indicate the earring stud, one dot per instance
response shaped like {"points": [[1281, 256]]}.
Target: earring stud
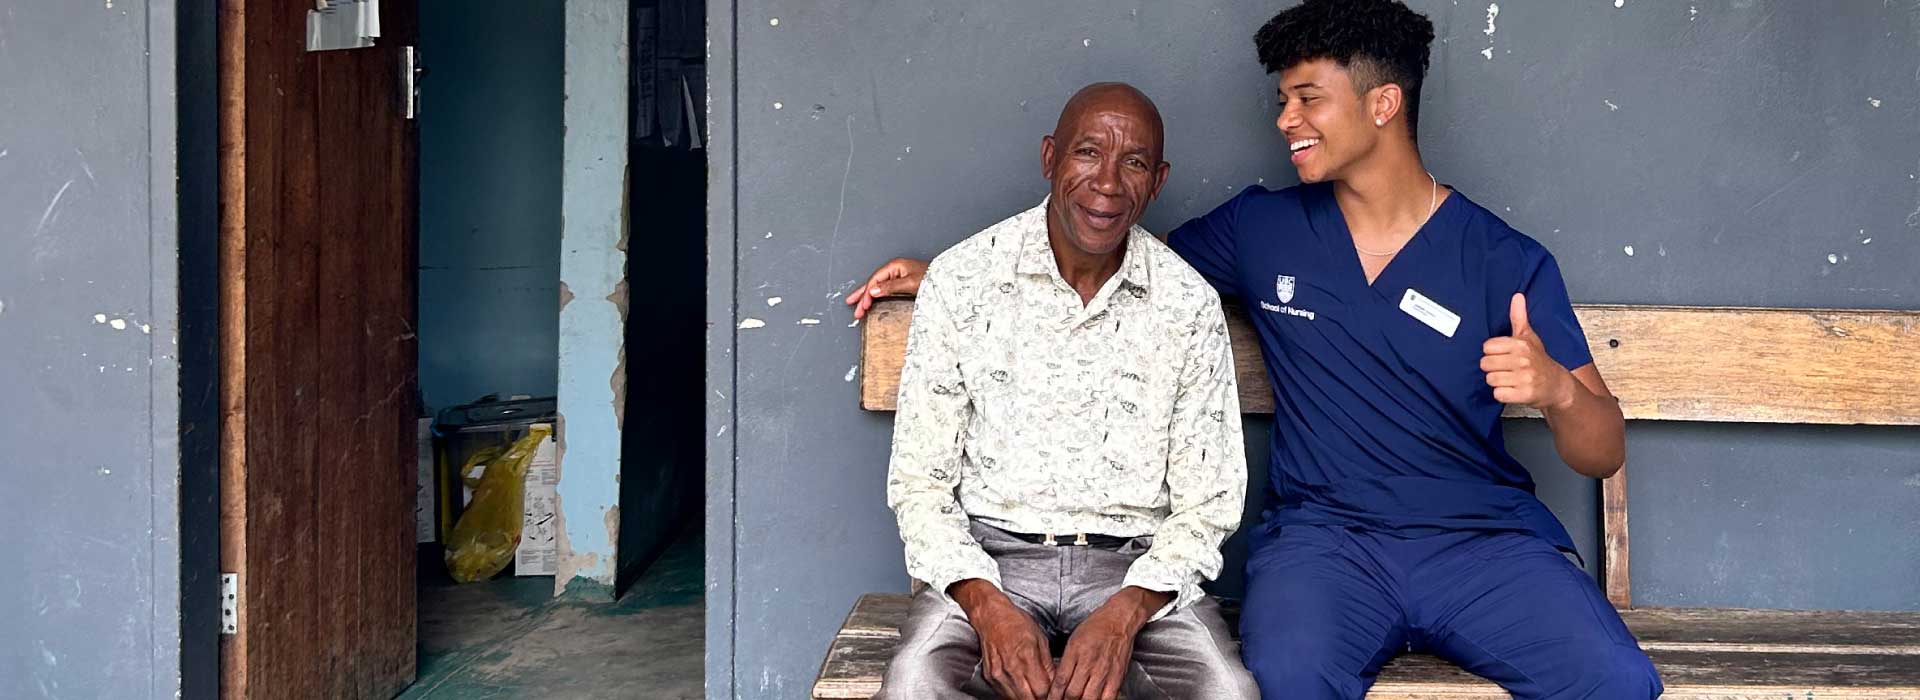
{"points": [[1379, 122]]}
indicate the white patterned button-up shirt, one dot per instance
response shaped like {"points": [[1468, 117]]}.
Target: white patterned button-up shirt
{"points": [[1030, 412]]}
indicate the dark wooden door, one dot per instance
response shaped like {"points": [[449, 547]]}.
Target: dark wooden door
{"points": [[317, 356]]}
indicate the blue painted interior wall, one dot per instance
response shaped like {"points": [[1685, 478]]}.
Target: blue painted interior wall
{"points": [[1746, 151], [490, 137]]}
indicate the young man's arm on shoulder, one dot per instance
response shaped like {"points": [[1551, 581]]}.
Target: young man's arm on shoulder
{"points": [[1209, 243]]}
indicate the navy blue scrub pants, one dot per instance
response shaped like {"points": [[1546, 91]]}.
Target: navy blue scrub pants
{"points": [[1327, 607]]}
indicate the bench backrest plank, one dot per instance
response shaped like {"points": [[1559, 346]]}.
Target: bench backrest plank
{"points": [[1665, 363]]}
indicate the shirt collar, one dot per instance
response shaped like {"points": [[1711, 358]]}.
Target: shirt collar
{"points": [[1036, 250]]}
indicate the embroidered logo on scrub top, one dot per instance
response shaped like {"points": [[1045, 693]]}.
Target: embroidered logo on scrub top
{"points": [[1283, 287]]}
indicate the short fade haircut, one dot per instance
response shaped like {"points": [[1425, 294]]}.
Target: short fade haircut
{"points": [[1377, 41]]}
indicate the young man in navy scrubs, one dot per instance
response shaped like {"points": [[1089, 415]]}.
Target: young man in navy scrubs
{"points": [[1398, 319]]}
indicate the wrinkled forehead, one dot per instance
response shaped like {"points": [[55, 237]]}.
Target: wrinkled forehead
{"points": [[1116, 125]]}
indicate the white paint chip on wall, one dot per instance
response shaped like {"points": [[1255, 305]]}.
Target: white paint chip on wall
{"points": [[751, 323]]}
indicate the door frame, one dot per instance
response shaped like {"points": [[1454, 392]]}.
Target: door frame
{"points": [[191, 259], [722, 329]]}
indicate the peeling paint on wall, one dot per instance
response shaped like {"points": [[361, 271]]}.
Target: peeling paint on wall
{"points": [[1493, 12], [592, 266]]}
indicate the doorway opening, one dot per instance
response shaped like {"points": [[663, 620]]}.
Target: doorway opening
{"points": [[395, 261], [492, 284]]}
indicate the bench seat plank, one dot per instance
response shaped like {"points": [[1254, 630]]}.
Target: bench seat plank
{"points": [[1703, 654], [1775, 631]]}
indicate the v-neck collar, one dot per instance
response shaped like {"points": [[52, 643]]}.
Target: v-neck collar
{"points": [[1337, 238]]}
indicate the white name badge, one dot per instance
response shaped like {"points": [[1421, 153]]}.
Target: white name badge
{"points": [[1434, 315]]}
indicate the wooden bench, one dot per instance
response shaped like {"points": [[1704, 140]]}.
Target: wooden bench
{"points": [[1665, 363]]}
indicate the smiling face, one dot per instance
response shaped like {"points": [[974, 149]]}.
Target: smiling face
{"points": [[1328, 124], [1104, 160]]}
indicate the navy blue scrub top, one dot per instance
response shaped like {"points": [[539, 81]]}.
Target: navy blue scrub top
{"points": [[1381, 421]]}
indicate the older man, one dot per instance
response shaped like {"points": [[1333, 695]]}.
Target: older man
{"points": [[1067, 455]]}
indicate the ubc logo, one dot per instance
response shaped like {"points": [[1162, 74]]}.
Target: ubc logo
{"points": [[1283, 287]]}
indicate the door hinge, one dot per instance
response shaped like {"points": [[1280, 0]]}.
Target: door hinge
{"points": [[229, 604], [410, 74]]}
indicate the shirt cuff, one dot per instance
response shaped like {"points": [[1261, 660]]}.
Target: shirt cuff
{"points": [[940, 580], [1153, 575]]}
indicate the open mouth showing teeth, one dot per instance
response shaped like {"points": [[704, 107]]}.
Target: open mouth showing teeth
{"points": [[1101, 218], [1302, 148]]}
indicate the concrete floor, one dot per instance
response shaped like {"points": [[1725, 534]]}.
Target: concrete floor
{"points": [[508, 638]]}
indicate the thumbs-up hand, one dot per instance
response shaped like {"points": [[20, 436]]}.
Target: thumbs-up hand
{"points": [[1519, 368]]}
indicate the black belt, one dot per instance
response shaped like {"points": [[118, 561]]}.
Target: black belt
{"points": [[1078, 539]]}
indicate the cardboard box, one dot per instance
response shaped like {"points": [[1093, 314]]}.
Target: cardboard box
{"points": [[538, 554]]}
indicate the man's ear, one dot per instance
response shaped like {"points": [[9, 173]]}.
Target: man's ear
{"points": [[1159, 179], [1385, 102], [1046, 156]]}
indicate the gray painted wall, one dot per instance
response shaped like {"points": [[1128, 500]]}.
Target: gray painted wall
{"points": [[1734, 145], [489, 200], [90, 600]]}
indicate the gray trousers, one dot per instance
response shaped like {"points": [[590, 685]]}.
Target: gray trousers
{"points": [[1187, 655]]}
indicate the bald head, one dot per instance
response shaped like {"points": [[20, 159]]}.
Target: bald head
{"points": [[1104, 160], [1113, 98]]}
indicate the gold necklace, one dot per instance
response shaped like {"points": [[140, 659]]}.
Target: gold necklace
{"points": [[1433, 204]]}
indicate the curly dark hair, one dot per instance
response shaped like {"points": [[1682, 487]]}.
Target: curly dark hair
{"points": [[1377, 41]]}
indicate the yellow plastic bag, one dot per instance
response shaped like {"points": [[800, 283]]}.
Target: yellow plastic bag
{"points": [[484, 540]]}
